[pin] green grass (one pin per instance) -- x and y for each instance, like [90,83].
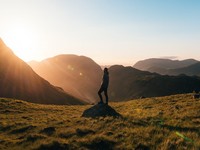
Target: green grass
[171,122]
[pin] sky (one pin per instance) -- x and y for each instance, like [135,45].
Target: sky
[108,31]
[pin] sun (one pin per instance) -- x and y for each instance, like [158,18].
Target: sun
[21,40]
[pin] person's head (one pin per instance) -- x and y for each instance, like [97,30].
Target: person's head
[105,70]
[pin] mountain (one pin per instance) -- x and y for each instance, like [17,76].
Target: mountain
[78,75]
[162,66]
[128,83]
[192,70]
[84,75]
[18,80]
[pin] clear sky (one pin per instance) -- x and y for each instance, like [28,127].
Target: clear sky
[108,31]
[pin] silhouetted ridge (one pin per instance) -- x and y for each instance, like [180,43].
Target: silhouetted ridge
[163,63]
[18,80]
[3,48]
[1,43]
[163,66]
[129,83]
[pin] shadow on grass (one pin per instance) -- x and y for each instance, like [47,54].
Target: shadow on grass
[84,132]
[22,130]
[53,146]
[184,129]
[6,128]
[100,143]
[142,147]
[66,135]
[33,138]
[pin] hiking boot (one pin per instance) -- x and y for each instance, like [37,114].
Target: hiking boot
[100,102]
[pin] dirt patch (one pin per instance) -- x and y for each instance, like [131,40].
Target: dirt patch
[100,143]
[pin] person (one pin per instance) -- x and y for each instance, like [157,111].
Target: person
[196,94]
[104,86]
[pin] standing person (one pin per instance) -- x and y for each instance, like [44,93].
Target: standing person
[104,86]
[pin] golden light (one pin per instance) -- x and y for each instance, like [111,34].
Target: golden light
[21,40]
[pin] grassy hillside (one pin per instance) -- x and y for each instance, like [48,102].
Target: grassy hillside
[171,122]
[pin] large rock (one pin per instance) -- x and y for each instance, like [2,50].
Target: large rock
[100,110]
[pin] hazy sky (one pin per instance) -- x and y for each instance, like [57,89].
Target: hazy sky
[108,31]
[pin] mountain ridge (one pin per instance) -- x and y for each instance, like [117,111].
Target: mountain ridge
[18,80]
[125,82]
[78,75]
[148,64]
[166,66]
[130,83]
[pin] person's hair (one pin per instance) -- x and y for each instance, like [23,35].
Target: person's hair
[106,70]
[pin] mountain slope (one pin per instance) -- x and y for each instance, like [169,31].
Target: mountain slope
[170,122]
[78,75]
[128,83]
[162,66]
[192,70]
[18,80]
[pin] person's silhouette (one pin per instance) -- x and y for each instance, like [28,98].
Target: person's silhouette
[104,86]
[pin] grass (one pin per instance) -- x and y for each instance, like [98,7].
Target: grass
[171,122]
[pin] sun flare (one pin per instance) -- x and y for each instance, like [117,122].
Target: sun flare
[21,40]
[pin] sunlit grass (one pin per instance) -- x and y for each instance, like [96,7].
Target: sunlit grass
[152,123]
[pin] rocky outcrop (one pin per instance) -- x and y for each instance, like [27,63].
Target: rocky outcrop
[100,110]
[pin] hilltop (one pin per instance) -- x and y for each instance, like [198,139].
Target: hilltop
[170,122]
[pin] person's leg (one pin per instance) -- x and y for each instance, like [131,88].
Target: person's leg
[99,93]
[106,95]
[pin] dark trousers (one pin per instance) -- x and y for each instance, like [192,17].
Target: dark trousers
[103,89]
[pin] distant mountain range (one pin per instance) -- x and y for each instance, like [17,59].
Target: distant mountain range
[79,77]
[18,80]
[128,83]
[169,67]
[125,82]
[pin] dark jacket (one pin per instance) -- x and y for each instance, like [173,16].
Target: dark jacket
[105,80]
